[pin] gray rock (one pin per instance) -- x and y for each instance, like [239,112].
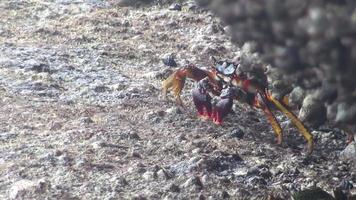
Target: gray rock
[168,59]
[132,2]
[21,188]
[193,183]
[173,188]
[149,175]
[296,97]
[237,133]
[349,153]
[308,42]
[313,111]
[175,6]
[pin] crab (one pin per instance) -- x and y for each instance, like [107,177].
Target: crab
[228,81]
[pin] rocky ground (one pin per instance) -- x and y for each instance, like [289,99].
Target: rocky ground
[81,116]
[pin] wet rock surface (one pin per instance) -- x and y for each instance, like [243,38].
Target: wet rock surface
[81,114]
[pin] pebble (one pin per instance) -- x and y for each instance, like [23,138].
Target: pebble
[224,195]
[19,189]
[193,183]
[168,60]
[173,188]
[237,133]
[174,110]
[175,6]
[149,176]
[163,174]
[349,153]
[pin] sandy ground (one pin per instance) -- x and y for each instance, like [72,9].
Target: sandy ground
[81,115]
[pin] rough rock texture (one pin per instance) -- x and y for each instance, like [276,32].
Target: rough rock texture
[312,42]
[81,115]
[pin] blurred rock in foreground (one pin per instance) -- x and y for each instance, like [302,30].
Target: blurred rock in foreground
[311,42]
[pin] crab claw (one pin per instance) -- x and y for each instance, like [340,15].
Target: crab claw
[224,106]
[202,99]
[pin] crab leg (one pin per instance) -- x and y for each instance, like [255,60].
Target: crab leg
[302,129]
[202,100]
[176,81]
[272,119]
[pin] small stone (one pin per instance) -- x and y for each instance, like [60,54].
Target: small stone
[345,185]
[173,110]
[193,182]
[201,197]
[119,183]
[86,120]
[135,154]
[134,135]
[237,133]
[175,6]
[196,151]
[163,174]
[224,195]
[81,162]
[296,97]
[349,153]
[205,179]
[313,112]
[164,74]
[97,144]
[20,188]
[149,175]
[55,126]
[168,60]
[64,160]
[174,188]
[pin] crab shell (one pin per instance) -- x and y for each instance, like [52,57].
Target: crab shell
[231,74]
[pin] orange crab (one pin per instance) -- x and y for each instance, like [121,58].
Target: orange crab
[228,81]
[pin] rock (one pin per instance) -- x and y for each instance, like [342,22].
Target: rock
[191,5]
[345,185]
[20,189]
[288,42]
[193,183]
[65,160]
[132,2]
[168,60]
[80,162]
[119,182]
[349,153]
[173,188]
[224,195]
[313,193]
[313,111]
[36,66]
[173,110]
[346,113]
[164,74]
[201,196]
[296,97]
[163,174]
[237,133]
[149,176]
[175,6]
[98,144]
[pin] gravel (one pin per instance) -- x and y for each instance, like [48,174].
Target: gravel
[81,115]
